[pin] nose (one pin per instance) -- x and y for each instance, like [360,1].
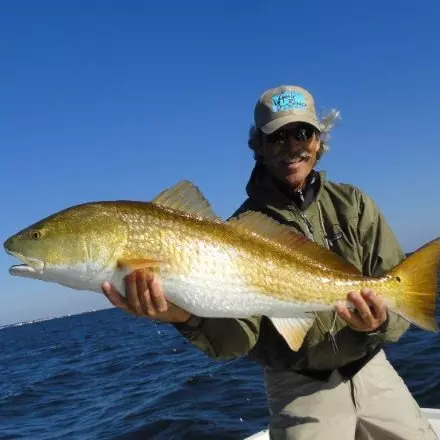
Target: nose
[292,143]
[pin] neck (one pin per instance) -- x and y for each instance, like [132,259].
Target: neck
[289,189]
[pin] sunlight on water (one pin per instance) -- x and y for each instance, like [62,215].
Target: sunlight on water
[109,375]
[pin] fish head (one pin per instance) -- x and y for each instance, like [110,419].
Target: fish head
[70,247]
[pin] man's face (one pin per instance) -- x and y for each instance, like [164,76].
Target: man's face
[290,153]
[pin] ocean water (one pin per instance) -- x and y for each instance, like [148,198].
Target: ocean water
[107,375]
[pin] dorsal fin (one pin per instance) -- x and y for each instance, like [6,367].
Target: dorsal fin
[284,235]
[186,197]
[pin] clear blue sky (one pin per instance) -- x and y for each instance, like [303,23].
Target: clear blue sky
[108,99]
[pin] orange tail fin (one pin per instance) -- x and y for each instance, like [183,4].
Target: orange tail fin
[418,277]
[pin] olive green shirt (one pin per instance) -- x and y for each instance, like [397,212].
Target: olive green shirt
[348,222]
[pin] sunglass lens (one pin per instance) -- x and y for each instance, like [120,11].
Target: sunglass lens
[303,132]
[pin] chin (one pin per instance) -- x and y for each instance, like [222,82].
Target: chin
[295,182]
[296,179]
[294,176]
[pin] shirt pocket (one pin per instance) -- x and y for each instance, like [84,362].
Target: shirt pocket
[342,239]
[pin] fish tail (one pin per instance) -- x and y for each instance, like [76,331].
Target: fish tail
[417,275]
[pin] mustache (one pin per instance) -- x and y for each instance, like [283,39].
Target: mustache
[292,156]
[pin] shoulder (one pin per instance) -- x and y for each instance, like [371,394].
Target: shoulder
[247,205]
[341,189]
[349,194]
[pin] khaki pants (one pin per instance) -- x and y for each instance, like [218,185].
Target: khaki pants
[374,404]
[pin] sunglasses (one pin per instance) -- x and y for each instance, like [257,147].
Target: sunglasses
[300,132]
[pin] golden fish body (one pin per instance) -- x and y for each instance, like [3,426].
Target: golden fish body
[247,266]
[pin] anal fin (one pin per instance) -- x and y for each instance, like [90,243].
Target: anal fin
[293,330]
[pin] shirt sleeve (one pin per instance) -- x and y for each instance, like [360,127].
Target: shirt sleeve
[224,338]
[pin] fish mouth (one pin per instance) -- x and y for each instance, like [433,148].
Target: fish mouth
[31,268]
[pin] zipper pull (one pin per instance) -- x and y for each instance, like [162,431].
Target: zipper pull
[307,222]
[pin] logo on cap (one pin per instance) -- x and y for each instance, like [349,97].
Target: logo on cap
[289,100]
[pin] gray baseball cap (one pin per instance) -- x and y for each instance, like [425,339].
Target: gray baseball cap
[284,105]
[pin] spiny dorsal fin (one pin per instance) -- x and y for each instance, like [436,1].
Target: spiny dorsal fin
[293,330]
[186,197]
[284,235]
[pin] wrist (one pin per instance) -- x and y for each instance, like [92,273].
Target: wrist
[183,318]
[192,322]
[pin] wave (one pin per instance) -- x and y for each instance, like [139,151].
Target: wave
[50,318]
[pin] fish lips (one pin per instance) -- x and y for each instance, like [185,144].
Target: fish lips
[32,267]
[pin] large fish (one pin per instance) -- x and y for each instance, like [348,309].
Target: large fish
[246,266]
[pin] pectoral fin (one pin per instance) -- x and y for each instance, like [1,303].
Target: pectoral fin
[293,330]
[137,263]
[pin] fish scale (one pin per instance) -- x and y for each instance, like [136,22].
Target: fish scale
[249,265]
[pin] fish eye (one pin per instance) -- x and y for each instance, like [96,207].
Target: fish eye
[35,235]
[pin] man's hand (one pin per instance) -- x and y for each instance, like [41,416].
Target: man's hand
[145,297]
[370,313]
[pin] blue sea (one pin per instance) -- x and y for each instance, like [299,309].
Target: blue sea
[107,375]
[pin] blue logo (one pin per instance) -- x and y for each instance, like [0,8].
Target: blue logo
[289,100]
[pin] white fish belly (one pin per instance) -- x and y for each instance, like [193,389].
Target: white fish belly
[83,276]
[221,299]
[202,294]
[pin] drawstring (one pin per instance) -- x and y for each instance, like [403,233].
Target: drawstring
[331,331]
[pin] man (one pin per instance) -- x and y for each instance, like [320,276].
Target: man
[339,385]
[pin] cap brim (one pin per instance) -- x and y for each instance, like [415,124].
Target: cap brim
[276,124]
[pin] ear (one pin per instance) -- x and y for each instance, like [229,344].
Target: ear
[259,148]
[256,141]
[316,145]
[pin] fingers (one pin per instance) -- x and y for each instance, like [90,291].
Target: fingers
[377,305]
[144,295]
[343,312]
[114,297]
[157,295]
[362,308]
[131,291]
[370,310]
[351,318]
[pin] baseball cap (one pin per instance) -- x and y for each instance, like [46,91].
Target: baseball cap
[284,105]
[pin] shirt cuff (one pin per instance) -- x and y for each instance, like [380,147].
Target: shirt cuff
[193,323]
